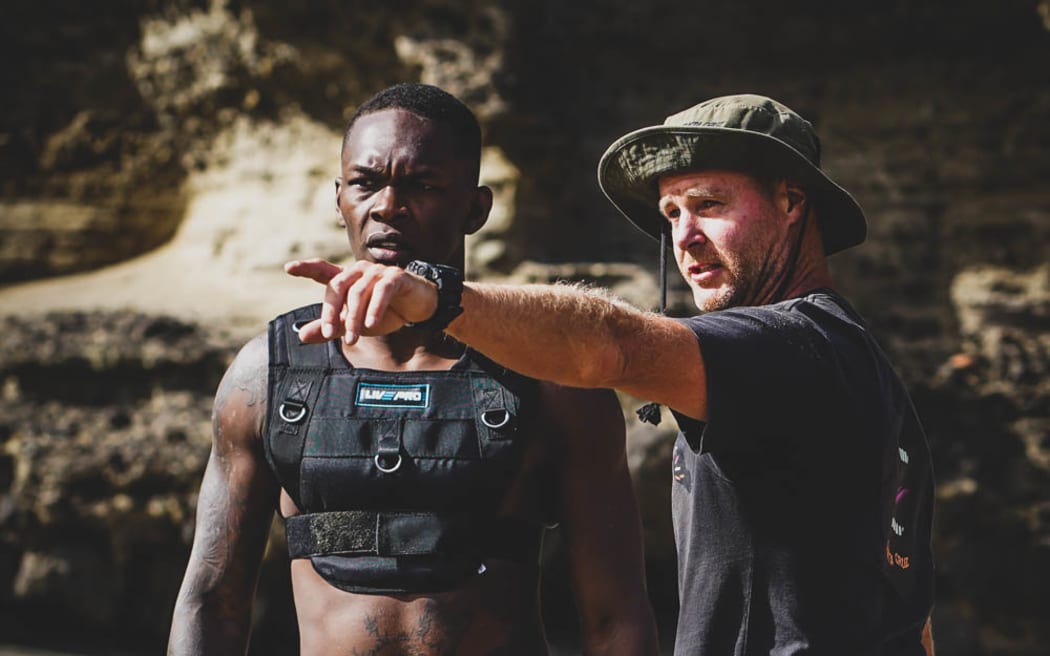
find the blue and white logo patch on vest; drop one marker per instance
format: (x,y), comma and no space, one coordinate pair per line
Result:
(393,396)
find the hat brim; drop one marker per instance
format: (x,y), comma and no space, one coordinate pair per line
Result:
(629,171)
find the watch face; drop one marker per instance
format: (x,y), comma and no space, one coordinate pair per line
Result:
(449,282)
(434,272)
(418,268)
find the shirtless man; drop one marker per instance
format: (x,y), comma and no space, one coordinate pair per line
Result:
(415,477)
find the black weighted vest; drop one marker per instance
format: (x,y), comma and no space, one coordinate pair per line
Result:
(398,475)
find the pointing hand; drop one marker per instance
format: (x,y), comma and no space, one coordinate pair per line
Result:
(363,298)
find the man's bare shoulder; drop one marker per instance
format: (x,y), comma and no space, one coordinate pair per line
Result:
(240,401)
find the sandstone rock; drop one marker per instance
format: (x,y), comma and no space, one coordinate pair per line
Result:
(182,151)
(104,434)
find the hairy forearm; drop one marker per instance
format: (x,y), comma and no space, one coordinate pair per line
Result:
(570,335)
(566,334)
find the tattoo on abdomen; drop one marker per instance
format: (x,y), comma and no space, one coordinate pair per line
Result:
(439,632)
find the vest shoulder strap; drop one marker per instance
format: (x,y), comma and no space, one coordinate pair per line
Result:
(296,372)
(285,347)
(524,387)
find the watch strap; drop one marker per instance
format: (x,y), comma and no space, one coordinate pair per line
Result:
(449,281)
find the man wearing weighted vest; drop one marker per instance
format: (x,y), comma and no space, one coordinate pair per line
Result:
(415,476)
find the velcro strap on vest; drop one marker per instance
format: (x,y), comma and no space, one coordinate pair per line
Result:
(363,532)
(375,533)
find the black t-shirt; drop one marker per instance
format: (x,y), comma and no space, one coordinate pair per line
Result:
(802,508)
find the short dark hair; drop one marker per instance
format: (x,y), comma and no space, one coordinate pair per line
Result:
(429,102)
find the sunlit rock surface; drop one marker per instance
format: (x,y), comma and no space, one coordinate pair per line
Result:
(159,162)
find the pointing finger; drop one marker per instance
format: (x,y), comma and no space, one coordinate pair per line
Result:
(382,292)
(310,333)
(332,305)
(317,270)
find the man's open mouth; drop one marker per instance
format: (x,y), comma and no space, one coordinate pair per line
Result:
(704,273)
(387,247)
(697,269)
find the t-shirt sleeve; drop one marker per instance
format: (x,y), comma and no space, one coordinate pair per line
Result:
(767,368)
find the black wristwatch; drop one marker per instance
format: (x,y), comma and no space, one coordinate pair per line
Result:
(449,281)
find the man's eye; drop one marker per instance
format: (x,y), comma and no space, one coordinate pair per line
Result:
(362,183)
(671,213)
(708,204)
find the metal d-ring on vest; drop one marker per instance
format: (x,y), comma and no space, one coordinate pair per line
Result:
(495,424)
(387,470)
(293,419)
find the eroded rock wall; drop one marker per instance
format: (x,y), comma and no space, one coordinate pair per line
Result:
(184,141)
(106,424)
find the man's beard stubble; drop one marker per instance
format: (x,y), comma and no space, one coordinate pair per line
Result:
(752,280)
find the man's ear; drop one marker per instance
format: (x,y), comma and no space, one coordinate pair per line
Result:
(793,200)
(479,210)
(339,214)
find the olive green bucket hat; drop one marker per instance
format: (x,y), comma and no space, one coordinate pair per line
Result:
(741,132)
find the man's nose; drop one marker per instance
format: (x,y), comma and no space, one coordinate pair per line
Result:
(387,204)
(686,232)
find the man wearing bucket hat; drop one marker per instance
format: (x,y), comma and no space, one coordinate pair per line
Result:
(802,494)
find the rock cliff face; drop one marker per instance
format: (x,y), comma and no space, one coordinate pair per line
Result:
(105,429)
(160,160)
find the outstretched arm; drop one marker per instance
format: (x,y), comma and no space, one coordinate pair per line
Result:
(600,522)
(565,334)
(582,338)
(234,510)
